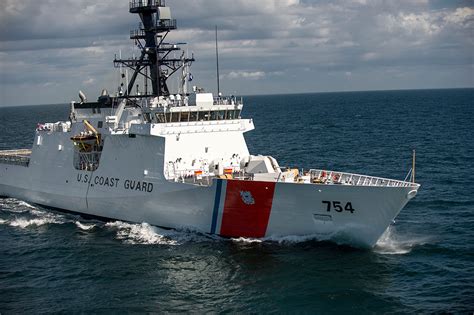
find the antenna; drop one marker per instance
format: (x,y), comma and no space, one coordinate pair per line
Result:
(156,62)
(217,64)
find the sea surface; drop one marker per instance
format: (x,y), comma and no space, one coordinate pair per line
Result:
(58,263)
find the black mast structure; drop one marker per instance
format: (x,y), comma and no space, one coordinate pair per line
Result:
(155,63)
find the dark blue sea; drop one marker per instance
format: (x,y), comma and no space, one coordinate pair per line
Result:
(58,263)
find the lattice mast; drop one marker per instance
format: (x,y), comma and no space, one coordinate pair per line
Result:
(155,63)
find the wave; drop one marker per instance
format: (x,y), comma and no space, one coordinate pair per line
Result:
(140,234)
(26,204)
(390,243)
(443,203)
(25,215)
(15,206)
(84,227)
(282,240)
(246,240)
(296,239)
(146,234)
(25,222)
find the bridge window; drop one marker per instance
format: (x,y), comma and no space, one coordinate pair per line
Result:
(161,118)
(231,114)
(146,117)
(184,117)
(221,115)
(174,117)
(203,116)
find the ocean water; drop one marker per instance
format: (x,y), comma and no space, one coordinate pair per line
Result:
(424,263)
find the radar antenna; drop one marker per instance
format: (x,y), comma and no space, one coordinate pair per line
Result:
(155,62)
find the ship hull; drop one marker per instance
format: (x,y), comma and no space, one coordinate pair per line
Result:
(239,208)
(129,185)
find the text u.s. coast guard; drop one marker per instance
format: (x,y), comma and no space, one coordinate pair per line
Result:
(114,182)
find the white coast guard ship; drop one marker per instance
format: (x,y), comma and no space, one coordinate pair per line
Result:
(180,159)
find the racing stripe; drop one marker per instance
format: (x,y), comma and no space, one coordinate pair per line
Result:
(247,208)
(217,201)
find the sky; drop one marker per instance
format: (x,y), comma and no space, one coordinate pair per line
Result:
(51,49)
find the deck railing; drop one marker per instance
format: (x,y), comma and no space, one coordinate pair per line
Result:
(146,3)
(332,177)
(228,100)
(315,177)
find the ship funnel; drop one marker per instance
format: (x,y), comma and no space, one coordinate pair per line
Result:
(82,96)
(104,93)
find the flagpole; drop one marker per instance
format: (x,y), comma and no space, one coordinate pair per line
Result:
(217,64)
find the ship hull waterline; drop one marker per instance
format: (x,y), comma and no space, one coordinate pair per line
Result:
(231,208)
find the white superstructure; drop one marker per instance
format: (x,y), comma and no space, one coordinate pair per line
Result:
(181,160)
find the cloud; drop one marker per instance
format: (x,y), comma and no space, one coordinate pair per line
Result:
(89,81)
(250,75)
(430,23)
(265,46)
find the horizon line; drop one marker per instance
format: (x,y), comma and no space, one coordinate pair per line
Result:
(295,93)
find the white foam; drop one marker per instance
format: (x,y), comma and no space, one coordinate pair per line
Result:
(392,244)
(3,221)
(140,234)
(247,240)
(13,209)
(37,217)
(16,206)
(27,205)
(24,222)
(282,240)
(85,227)
(39,212)
(295,239)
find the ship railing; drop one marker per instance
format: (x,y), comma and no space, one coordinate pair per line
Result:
(342,178)
(230,100)
(15,157)
(137,34)
(146,3)
(194,177)
(190,176)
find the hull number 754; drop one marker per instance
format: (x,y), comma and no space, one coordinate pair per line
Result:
(338,206)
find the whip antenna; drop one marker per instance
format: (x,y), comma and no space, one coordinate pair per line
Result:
(413,166)
(217,66)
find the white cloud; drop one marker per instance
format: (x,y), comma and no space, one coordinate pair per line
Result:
(250,75)
(370,56)
(461,16)
(89,81)
(265,45)
(430,22)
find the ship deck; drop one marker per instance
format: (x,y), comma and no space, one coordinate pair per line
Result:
(313,176)
(19,157)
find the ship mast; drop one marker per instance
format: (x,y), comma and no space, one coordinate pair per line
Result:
(155,63)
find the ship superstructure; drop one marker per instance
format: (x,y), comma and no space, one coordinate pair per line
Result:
(179,159)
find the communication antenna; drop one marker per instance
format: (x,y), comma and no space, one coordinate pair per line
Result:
(413,166)
(217,66)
